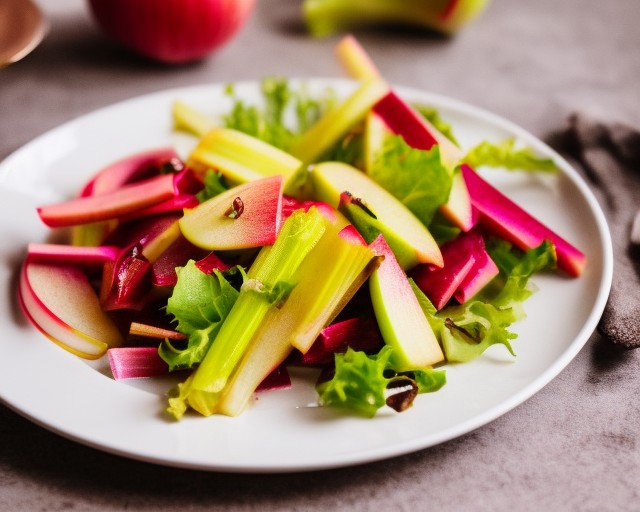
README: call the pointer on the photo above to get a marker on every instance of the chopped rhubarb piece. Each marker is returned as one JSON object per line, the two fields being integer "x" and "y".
{"x": 483, "y": 271}
{"x": 112, "y": 205}
{"x": 277, "y": 379}
{"x": 439, "y": 284}
{"x": 136, "y": 363}
{"x": 174, "y": 204}
{"x": 125, "y": 282}
{"x": 360, "y": 333}
{"x": 91, "y": 257}
{"x": 163, "y": 271}
{"x": 128, "y": 170}
{"x": 506, "y": 219}
{"x": 210, "y": 263}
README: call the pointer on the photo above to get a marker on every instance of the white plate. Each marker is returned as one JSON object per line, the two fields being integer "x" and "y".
{"x": 283, "y": 431}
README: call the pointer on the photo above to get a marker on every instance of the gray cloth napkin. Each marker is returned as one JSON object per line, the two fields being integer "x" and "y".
{"x": 609, "y": 156}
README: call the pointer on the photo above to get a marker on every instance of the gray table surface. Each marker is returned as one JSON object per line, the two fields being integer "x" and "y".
{"x": 575, "y": 445}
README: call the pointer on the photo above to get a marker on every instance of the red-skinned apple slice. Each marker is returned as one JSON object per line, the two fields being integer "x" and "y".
{"x": 245, "y": 216}
{"x": 506, "y": 219}
{"x": 402, "y": 322}
{"x": 60, "y": 301}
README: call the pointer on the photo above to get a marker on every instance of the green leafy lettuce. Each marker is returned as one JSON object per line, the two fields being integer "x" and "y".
{"x": 432, "y": 115}
{"x": 360, "y": 381}
{"x": 199, "y": 304}
{"x": 504, "y": 154}
{"x": 414, "y": 176}
{"x": 214, "y": 184}
{"x": 283, "y": 115}
{"x": 465, "y": 331}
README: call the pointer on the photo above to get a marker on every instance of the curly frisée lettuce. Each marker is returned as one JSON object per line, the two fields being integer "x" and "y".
{"x": 466, "y": 330}
{"x": 504, "y": 154}
{"x": 364, "y": 383}
{"x": 199, "y": 304}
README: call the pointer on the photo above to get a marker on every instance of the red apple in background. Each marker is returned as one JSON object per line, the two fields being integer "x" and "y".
{"x": 172, "y": 31}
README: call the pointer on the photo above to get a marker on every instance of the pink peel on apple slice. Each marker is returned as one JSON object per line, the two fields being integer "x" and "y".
{"x": 506, "y": 219}
{"x": 86, "y": 257}
{"x": 440, "y": 283}
{"x": 129, "y": 169}
{"x": 60, "y": 301}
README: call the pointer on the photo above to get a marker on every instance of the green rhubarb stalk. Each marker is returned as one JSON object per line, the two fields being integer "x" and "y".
{"x": 328, "y": 278}
{"x": 335, "y": 124}
{"x": 241, "y": 157}
{"x": 269, "y": 280}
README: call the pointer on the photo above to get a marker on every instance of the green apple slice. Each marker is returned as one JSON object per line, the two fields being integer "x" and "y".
{"x": 412, "y": 241}
{"x": 402, "y": 322}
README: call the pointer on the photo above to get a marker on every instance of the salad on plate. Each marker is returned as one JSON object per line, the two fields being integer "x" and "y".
{"x": 351, "y": 236}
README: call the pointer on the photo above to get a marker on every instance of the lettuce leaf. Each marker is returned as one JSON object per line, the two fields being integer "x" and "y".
{"x": 414, "y": 176}
{"x": 269, "y": 121}
{"x": 504, "y": 154}
{"x": 200, "y": 303}
{"x": 432, "y": 115}
{"x": 214, "y": 184}
{"x": 360, "y": 381}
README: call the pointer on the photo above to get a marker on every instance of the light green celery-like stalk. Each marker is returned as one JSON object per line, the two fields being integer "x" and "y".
{"x": 326, "y": 17}
{"x": 190, "y": 120}
{"x": 329, "y": 277}
{"x": 241, "y": 157}
{"x": 335, "y": 124}
{"x": 273, "y": 270}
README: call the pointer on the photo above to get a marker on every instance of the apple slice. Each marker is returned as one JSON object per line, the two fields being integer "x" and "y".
{"x": 60, "y": 301}
{"x": 402, "y": 323}
{"x": 412, "y": 242}
{"x": 248, "y": 215}
{"x": 506, "y": 219}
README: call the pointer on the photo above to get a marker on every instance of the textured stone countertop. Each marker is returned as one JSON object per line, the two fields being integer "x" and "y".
{"x": 573, "y": 446}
